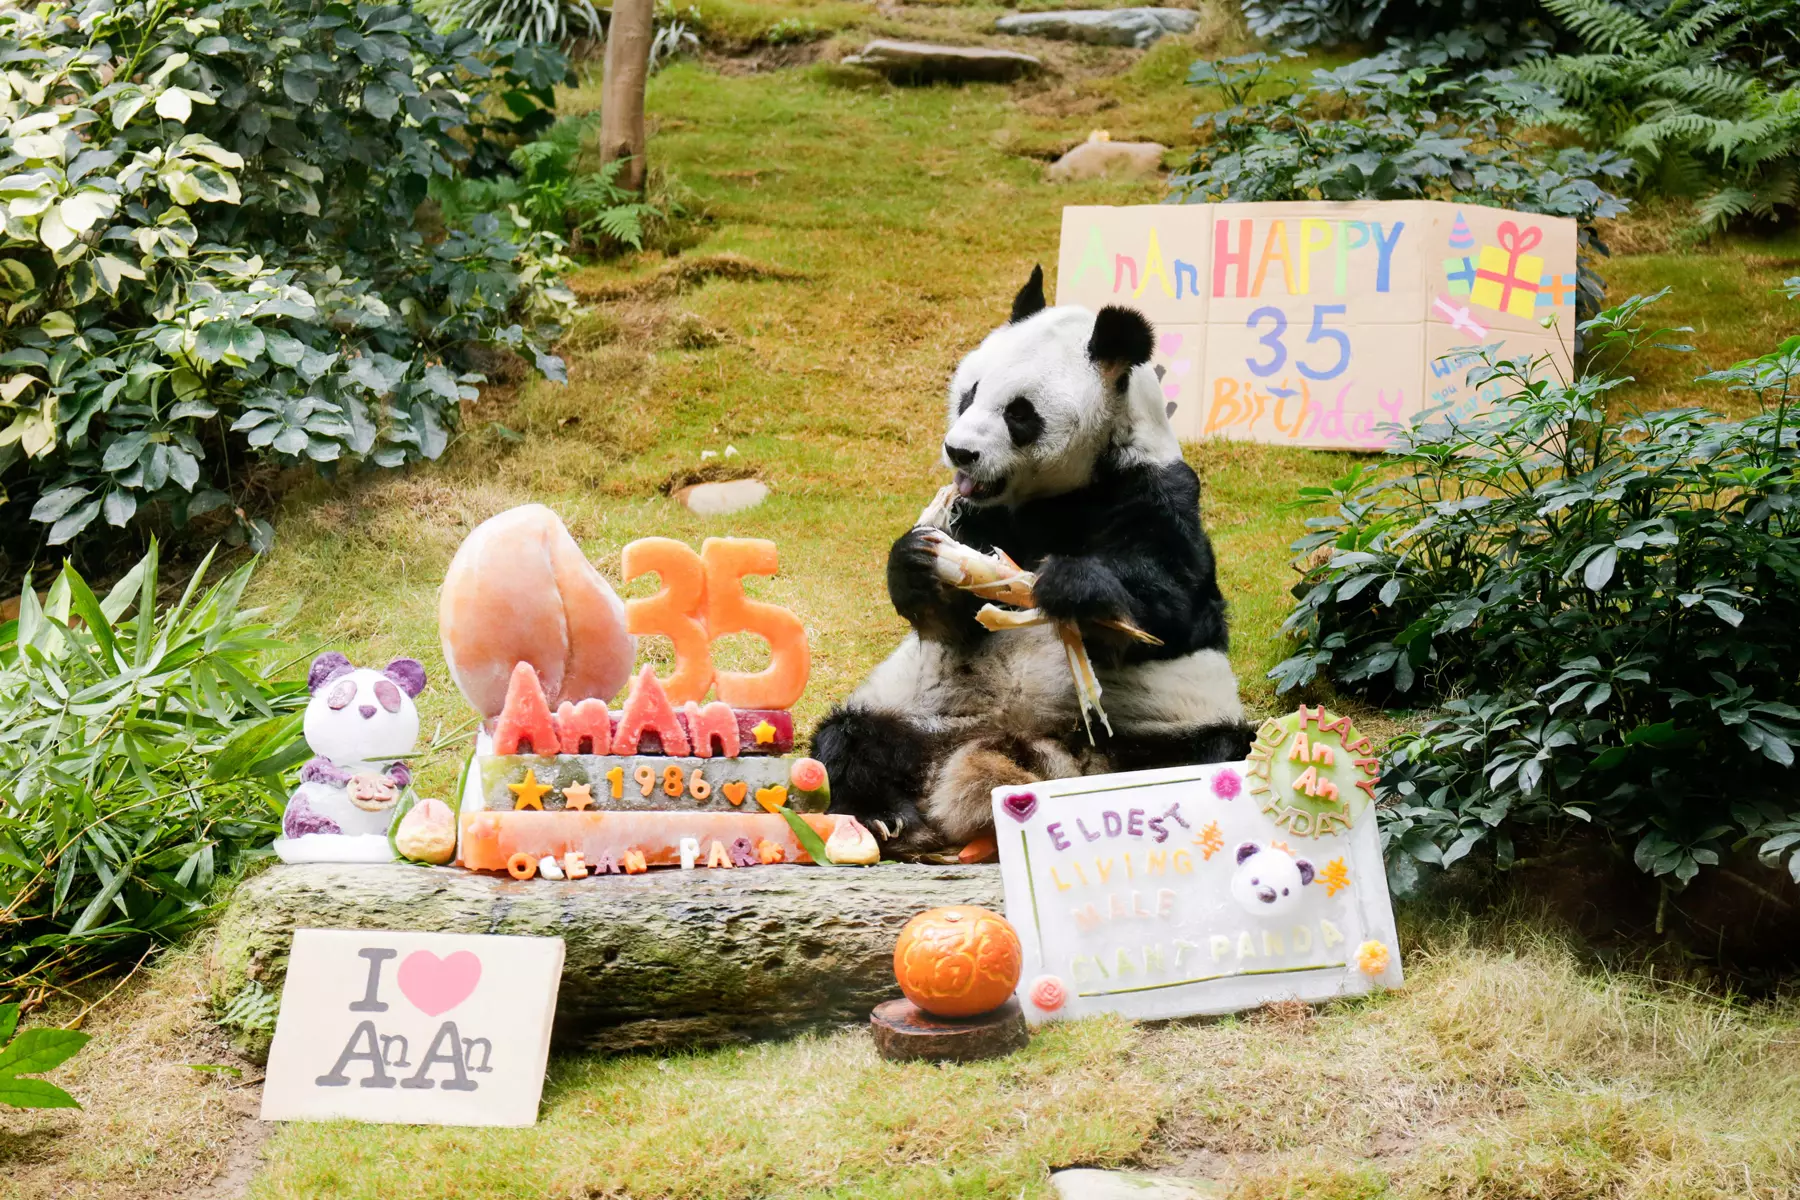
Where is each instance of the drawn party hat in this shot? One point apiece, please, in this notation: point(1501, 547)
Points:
point(1460, 236)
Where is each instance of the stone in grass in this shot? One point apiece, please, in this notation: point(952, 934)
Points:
point(722, 498)
point(1086, 1183)
point(1100, 158)
point(922, 62)
point(1137, 27)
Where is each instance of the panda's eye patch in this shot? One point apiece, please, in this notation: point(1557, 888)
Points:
point(968, 398)
point(342, 694)
point(388, 694)
point(1023, 422)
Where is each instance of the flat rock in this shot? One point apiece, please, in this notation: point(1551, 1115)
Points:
point(654, 961)
point(1108, 160)
point(1087, 1183)
point(922, 62)
point(1137, 27)
point(722, 498)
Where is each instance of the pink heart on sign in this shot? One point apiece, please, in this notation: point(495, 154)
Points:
point(437, 985)
point(1169, 343)
point(1180, 366)
point(1171, 389)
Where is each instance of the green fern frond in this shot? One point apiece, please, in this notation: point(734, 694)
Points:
point(1610, 27)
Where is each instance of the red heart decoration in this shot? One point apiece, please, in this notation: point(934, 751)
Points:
point(437, 985)
point(1019, 806)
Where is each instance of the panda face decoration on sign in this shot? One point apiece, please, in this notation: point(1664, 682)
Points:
point(1041, 400)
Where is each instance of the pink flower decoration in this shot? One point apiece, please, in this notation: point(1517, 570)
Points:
point(1226, 785)
point(1048, 993)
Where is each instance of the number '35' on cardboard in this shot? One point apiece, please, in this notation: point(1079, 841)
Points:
point(413, 1028)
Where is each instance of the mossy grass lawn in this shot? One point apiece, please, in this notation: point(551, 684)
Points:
point(857, 240)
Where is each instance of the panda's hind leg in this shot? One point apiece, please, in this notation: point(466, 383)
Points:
point(878, 764)
point(960, 804)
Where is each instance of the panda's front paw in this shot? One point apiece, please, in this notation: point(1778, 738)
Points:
point(1081, 589)
point(928, 604)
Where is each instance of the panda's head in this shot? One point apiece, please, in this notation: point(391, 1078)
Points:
point(1036, 407)
point(358, 715)
point(1268, 881)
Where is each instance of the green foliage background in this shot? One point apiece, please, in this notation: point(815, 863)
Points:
point(210, 250)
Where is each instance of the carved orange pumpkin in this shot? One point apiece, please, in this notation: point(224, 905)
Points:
point(957, 962)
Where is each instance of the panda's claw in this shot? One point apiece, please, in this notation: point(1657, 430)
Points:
point(888, 835)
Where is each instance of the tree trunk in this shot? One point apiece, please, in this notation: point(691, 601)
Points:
point(627, 67)
point(665, 959)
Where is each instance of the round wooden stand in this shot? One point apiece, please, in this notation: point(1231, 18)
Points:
point(903, 1031)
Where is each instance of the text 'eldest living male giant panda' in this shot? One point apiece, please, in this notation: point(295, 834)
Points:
point(1064, 459)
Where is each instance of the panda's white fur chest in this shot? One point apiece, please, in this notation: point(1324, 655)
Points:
point(1016, 682)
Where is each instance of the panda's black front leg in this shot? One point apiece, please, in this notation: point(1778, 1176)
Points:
point(1081, 588)
point(939, 611)
point(877, 763)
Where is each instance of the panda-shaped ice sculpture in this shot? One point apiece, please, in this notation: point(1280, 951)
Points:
point(359, 724)
point(1267, 882)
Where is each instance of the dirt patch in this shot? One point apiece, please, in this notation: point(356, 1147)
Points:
point(682, 275)
point(758, 60)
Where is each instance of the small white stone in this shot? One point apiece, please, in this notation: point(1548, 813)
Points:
point(731, 452)
point(549, 868)
point(706, 454)
point(1086, 1183)
point(723, 498)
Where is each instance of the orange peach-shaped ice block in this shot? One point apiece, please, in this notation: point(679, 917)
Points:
point(520, 590)
point(491, 839)
point(728, 610)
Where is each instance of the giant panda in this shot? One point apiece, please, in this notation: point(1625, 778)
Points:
point(1064, 458)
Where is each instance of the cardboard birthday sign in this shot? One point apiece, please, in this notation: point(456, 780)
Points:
point(413, 1028)
point(1313, 323)
point(1205, 889)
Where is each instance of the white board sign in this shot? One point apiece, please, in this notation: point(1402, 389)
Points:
point(1205, 889)
point(413, 1028)
point(1313, 323)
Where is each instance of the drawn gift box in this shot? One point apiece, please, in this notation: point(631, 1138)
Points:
point(1507, 278)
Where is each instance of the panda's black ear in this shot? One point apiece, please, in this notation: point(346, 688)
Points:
point(1306, 870)
point(1245, 850)
point(1122, 339)
point(1030, 300)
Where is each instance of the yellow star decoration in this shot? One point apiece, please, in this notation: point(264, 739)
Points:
point(1335, 877)
point(763, 732)
point(529, 791)
point(578, 796)
point(1210, 841)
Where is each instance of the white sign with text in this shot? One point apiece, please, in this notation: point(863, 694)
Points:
point(413, 1028)
point(1204, 889)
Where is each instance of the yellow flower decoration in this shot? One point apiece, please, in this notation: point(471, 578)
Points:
point(1372, 958)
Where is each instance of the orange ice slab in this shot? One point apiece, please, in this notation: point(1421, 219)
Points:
point(491, 839)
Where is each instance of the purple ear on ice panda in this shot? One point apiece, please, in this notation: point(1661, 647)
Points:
point(408, 673)
point(325, 668)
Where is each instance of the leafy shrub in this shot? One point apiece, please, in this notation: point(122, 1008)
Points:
point(209, 248)
point(1379, 130)
point(553, 192)
point(1698, 92)
point(32, 1053)
point(558, 22)
point(143, 753)
point(1457, 30)
point(1606, 606)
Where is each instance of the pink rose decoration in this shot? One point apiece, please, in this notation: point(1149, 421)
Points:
point(1226, 785)
point(1048, 993)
